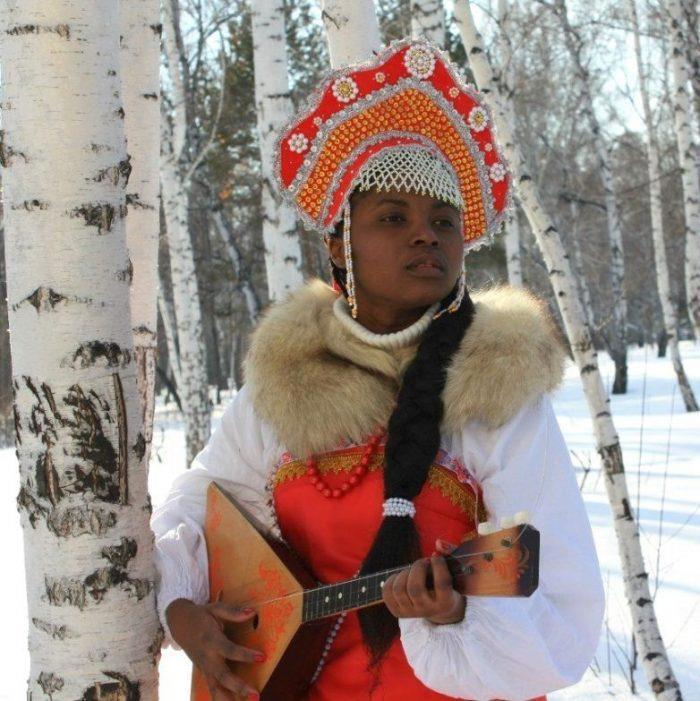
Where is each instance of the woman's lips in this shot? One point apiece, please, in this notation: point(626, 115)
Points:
point(427, 266)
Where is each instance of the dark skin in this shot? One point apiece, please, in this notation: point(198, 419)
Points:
point(389, 231)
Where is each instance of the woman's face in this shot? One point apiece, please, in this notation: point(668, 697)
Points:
point(407, 249)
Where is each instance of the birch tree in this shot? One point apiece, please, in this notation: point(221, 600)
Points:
point(512, 227)
point(688, 159)
point(177, 167)
point(83, 501)
point(140, 31)
point(274, 109)
point(617, 337)
point(428, 20)
point(663, 281)
point(655, 661)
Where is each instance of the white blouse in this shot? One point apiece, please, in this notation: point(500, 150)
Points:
point(507, 648)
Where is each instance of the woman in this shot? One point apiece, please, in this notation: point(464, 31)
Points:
point(384, 418)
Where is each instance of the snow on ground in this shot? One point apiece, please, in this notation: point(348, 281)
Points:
point(661, 446)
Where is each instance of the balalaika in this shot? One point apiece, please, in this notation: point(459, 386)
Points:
point(248, 568)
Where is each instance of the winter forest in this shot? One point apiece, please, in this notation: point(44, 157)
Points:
point(142, 238)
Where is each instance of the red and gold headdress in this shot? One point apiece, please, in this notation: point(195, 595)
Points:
point(410, 96)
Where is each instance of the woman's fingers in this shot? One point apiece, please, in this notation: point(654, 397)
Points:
point(442, 581)
point(416, 588)
point(236, 653)
point(227, 612)
point(443, 547)
point(221, 676)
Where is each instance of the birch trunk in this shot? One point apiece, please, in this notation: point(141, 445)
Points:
point(140, 31)
point(244, 282)
point(653, 654)
point(428, 20)
point(83, 500)
point(663, 281)
point(167, 314)
point(692, 26)
point(688, 160)
point(618, 337)
point(176, 168)
point(579, 273)
point(273, 105)
point(352, 30)
point(512, 227)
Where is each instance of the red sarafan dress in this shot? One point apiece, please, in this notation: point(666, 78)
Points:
point(333, 535)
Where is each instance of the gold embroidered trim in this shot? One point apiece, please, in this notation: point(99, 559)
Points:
point(440, 478)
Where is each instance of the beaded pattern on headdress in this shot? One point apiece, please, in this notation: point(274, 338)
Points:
point(410, 94)
point(411, 169)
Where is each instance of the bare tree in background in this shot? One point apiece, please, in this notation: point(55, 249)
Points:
point(663, 280)
point(688, 158)
point(616, 337)
point(140, 31)
point(428, 20)
point(653, 655)
point(274, 108)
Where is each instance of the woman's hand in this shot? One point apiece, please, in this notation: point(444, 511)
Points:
point(406, 595)
point(198, 630)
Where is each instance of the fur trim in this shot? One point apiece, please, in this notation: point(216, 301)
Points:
point(317, 384)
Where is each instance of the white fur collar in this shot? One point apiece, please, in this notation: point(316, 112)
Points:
point(317, 383)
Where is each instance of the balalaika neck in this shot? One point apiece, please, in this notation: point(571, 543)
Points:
point(331, 599)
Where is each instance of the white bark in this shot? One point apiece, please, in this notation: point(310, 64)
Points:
point(582, 281)
point(650, 644)
point(273, 105)
point(688, 160)
point(83, 501)
point(244, 282)
point(618, 337)
point(176, 169)
point(352, 30)
point(428, 20)
point(167, 314)
point(512, 227)
point(663, 280)
point(140, 65)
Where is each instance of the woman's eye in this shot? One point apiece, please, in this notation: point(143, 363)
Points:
point(392, 218)
point(445, 222)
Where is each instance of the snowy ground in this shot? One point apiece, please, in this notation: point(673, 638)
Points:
point(661, 446)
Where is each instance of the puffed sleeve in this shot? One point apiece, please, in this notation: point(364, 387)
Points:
point(520, 648)
point(235, 457)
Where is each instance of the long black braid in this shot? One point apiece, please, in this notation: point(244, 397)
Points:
point(412, 443)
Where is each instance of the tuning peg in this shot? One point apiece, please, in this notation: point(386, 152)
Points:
point(506, 522)
point(521, 518)
point(485, 528)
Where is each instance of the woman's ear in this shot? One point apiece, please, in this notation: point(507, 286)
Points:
point(334, 244)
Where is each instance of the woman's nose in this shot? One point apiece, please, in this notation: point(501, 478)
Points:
point(425, 233)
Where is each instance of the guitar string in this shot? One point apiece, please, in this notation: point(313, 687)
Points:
point(394, 570)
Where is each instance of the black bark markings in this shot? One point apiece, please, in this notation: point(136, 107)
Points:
point(35, 511)
point(120, 690)
point(127, 273)
point(150, 95)
point(42, 299)
point(74, 592)
point(133, 200)
point(7, 152)
point(115, 173)
point(139, 446)
point(122, 427)
point(91, 352)
point(100, 215)
point(56, 632)
point(157, 28)
point(31, 205)
point(63, 30)
point(49, 682)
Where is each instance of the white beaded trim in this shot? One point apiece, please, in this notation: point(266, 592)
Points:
point(396, 506)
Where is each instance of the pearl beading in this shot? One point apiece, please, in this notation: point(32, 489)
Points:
point(396, 506)
point(329, 643)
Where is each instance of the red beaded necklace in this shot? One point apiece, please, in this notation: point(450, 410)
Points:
point(358, 472)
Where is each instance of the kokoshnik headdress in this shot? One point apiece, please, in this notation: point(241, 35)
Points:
point(404, 120)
